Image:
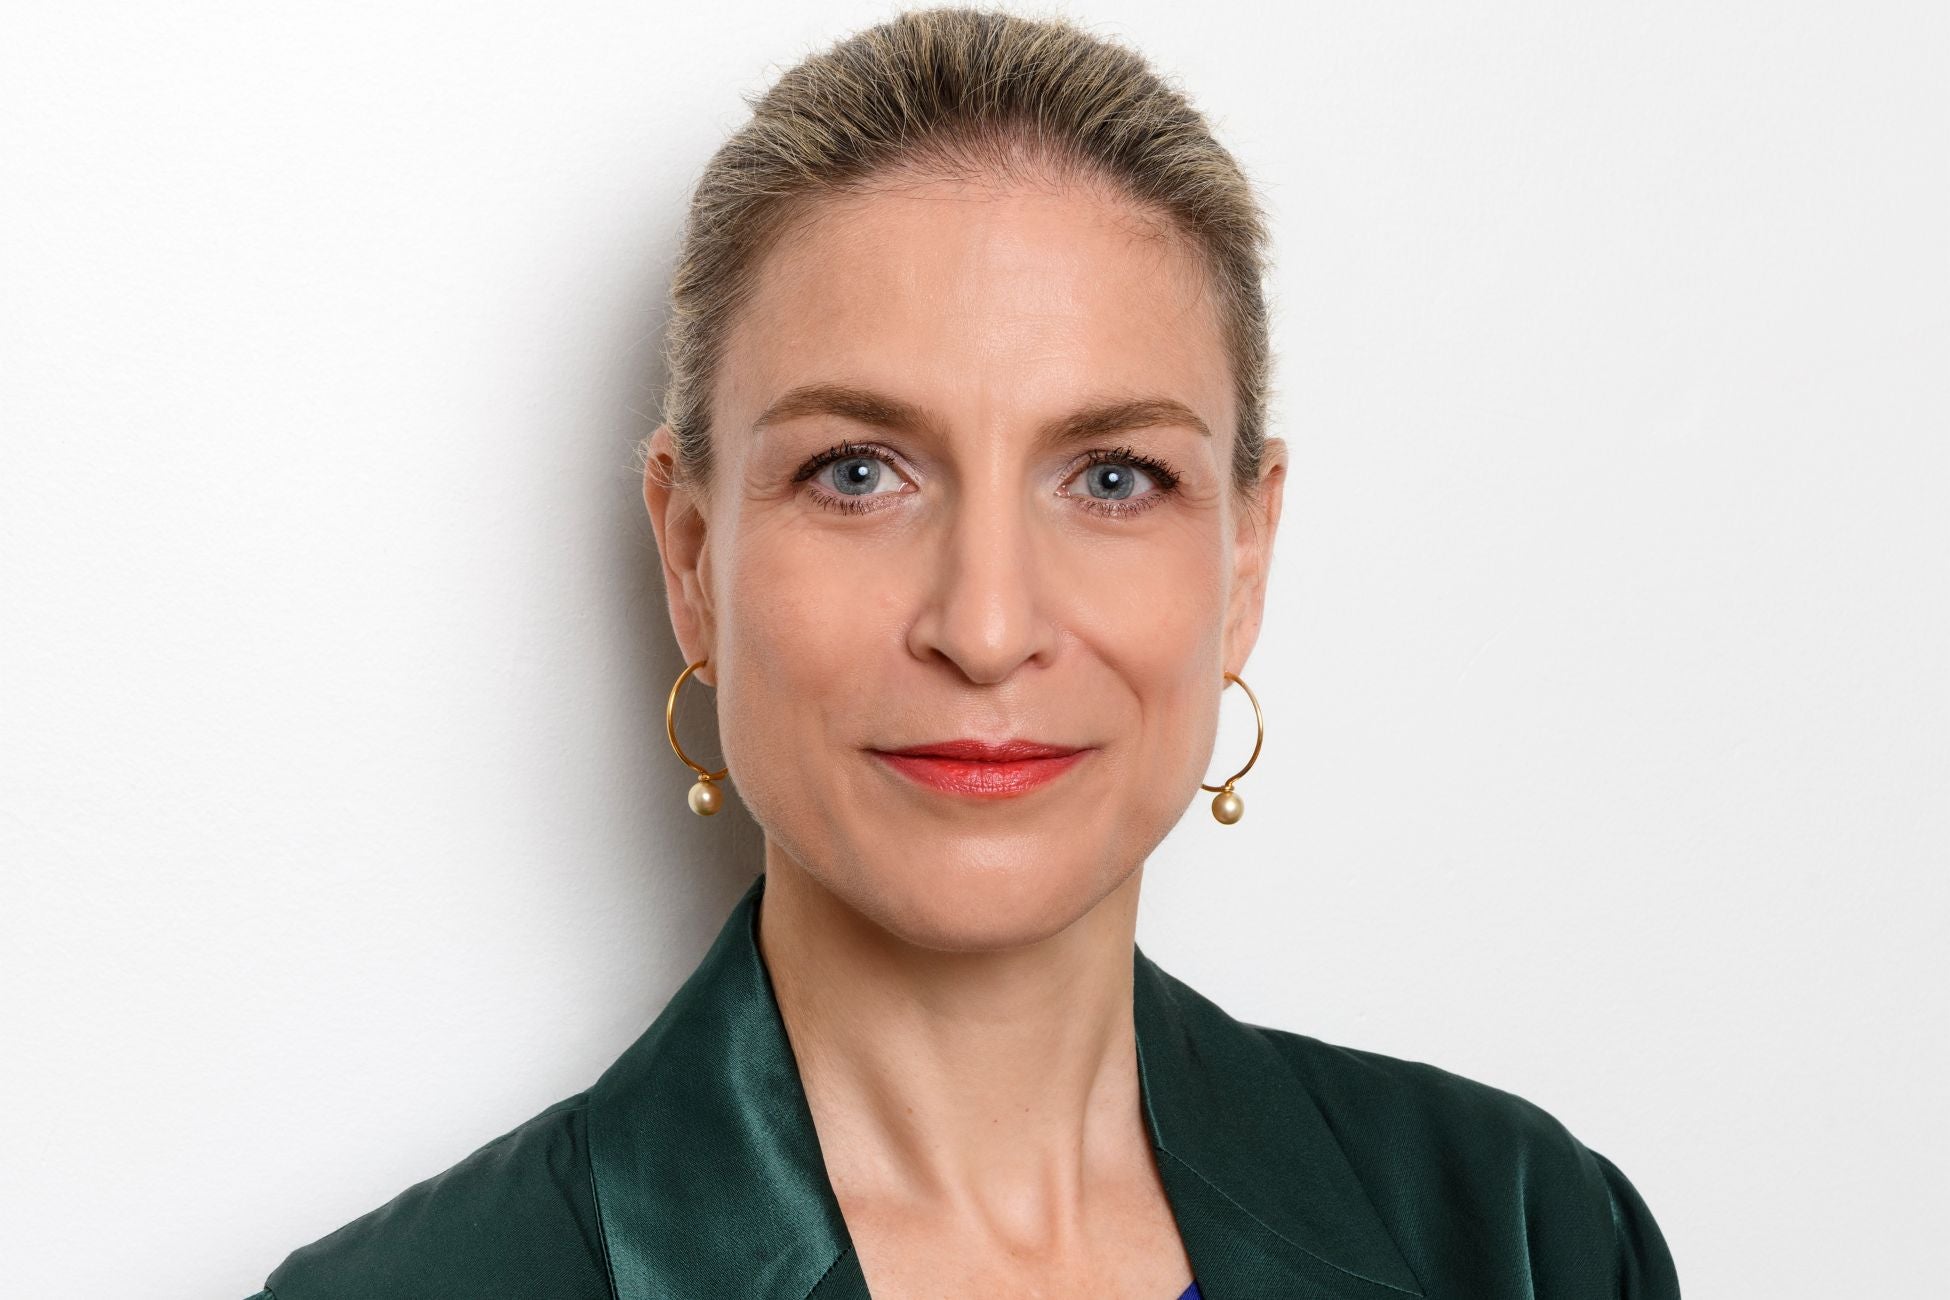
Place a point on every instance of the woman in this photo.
(965, 505)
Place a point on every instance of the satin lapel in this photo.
(1265, 1200)
(709, 1180)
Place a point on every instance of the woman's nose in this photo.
(981, 589)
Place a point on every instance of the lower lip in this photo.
(983, 780)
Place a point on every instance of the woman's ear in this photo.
(1253, 537)
(678, 517)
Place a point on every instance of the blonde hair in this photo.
(958, 91)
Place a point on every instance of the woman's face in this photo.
(1027, 532)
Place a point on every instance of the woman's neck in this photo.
(999, 1084)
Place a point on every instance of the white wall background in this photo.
(1607, 674)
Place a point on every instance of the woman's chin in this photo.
(983, 907)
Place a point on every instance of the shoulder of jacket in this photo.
(1396, 1117)
(1409, 1088)
(515, 1217)
(1429, 1143)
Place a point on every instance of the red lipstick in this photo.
(973, 767)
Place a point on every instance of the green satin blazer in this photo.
(1294, 1168)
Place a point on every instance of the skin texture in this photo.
(955, 975)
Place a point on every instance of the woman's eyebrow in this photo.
(884, 411)
(1103, 418)
(849, 402)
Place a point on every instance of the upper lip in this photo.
(978, 751)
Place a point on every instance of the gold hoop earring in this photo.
(705, 798)
(1228, 807)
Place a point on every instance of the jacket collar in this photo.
(709, 1180)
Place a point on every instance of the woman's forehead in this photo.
(962, 290)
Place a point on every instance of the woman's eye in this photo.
(1113, 483)
(860, 476)
(1111, 480)
(847, 477)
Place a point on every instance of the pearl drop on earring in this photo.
(1227, 806)
(705, 798)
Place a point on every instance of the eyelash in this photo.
(1160, 473)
